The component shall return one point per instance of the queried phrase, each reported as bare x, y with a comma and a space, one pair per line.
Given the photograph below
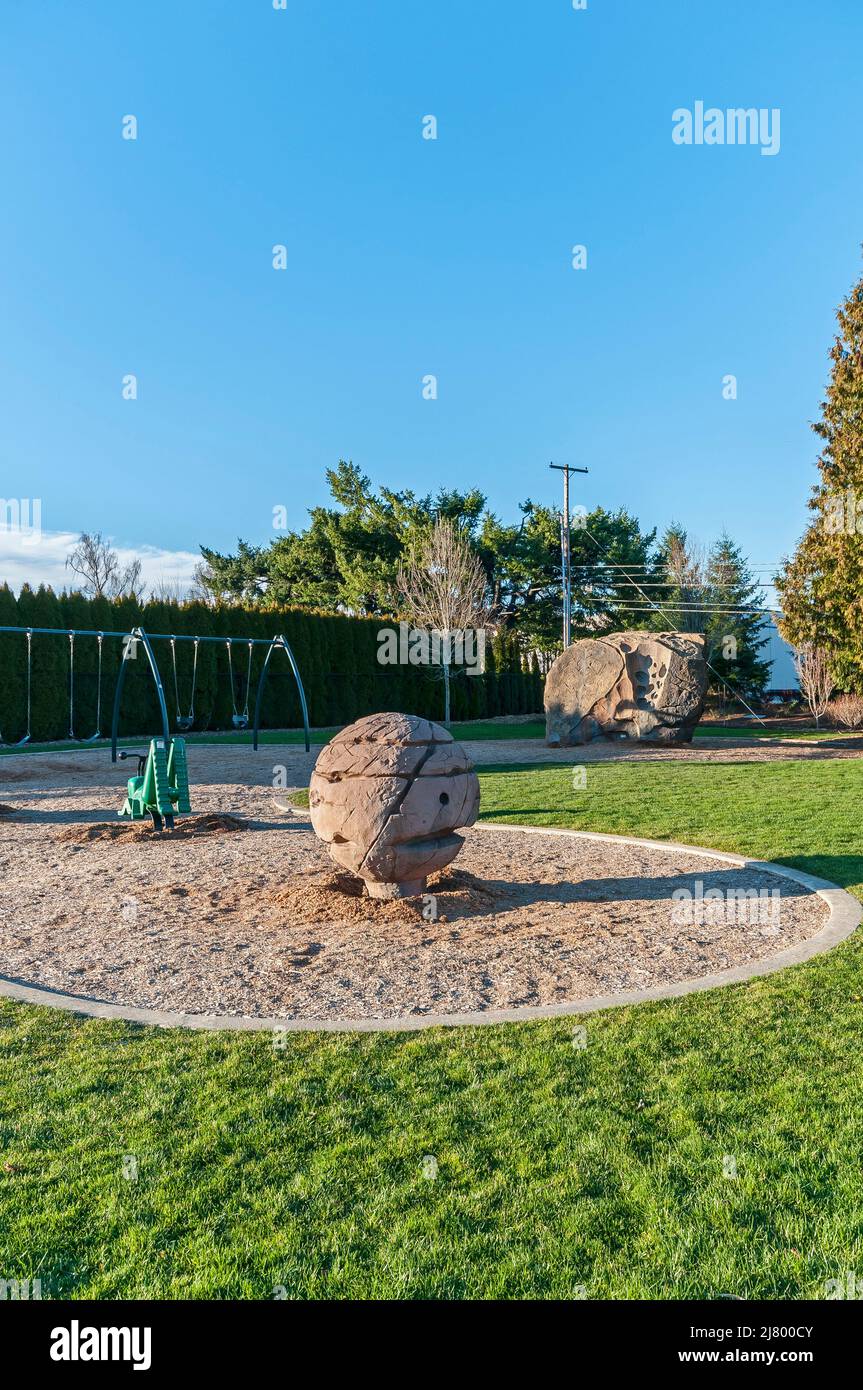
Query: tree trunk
446, 694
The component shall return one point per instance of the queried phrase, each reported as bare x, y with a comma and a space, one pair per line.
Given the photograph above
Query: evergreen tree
821, 586
13, 666
536, 683
713, 594
734, 637
77, 614
137, 683
50, 670
491, 678
348, 557
614, 570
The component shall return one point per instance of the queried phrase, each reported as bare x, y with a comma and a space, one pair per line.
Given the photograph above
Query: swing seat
96, 737
184, 722
240, 721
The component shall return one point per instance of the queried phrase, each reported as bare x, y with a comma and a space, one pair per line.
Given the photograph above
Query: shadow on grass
844, 869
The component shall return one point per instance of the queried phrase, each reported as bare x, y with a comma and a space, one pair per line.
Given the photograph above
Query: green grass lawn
480, 730
558, 1168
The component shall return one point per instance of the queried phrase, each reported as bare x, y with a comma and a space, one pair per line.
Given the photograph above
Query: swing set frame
137, 635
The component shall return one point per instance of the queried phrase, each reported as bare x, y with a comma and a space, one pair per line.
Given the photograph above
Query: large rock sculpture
638, 685
387, 795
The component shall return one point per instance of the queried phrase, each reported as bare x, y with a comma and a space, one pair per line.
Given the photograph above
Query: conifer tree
735, 633
821, 586
77, 615
13, 683
50, 673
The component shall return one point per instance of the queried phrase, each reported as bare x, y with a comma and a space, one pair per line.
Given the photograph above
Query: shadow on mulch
331, 896
188, 827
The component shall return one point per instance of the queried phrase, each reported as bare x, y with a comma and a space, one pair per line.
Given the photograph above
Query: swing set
240, 717
28, 633
185, 715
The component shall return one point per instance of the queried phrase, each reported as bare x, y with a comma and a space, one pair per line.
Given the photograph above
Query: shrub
336, 654
847, 711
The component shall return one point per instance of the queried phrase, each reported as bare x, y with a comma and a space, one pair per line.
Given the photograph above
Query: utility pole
565, 551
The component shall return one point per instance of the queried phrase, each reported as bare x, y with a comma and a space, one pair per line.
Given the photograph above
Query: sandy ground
243, 912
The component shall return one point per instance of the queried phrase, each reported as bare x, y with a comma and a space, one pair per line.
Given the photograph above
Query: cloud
39, 557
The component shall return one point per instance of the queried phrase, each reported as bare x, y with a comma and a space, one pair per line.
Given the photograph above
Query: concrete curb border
845, 915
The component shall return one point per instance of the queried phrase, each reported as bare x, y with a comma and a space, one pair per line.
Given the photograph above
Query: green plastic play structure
161, 787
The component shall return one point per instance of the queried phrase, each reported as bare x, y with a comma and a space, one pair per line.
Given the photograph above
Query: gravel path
256, 920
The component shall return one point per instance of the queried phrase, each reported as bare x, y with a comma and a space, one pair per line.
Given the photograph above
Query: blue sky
409, 257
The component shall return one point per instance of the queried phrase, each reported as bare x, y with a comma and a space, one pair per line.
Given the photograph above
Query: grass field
534, 728
558, 1171
478, 730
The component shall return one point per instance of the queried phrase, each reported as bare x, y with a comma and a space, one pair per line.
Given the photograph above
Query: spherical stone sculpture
646, 686
387, 795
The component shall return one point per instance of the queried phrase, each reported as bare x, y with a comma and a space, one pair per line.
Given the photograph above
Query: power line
650, 571
659, 562
657, 584
707, 663
622, 606
658, 568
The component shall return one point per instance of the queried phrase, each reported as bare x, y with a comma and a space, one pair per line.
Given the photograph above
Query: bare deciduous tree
99, 566
173, 590
443, 589
687, 570
201, 587
816, 682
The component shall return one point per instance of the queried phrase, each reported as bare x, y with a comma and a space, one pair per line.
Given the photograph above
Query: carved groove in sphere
387, 795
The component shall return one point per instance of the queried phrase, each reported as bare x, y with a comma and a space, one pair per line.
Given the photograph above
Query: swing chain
71, 685
26, 738
191, 714
184, 721
100, 637
248, 684
94, 738
240, 718
173, 646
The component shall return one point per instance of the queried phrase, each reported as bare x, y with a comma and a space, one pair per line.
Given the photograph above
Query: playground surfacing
243, 913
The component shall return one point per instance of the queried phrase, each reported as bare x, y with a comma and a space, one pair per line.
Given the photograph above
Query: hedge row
336, 655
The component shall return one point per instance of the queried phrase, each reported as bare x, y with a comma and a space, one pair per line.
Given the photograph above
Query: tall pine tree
821, 586
734, 633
